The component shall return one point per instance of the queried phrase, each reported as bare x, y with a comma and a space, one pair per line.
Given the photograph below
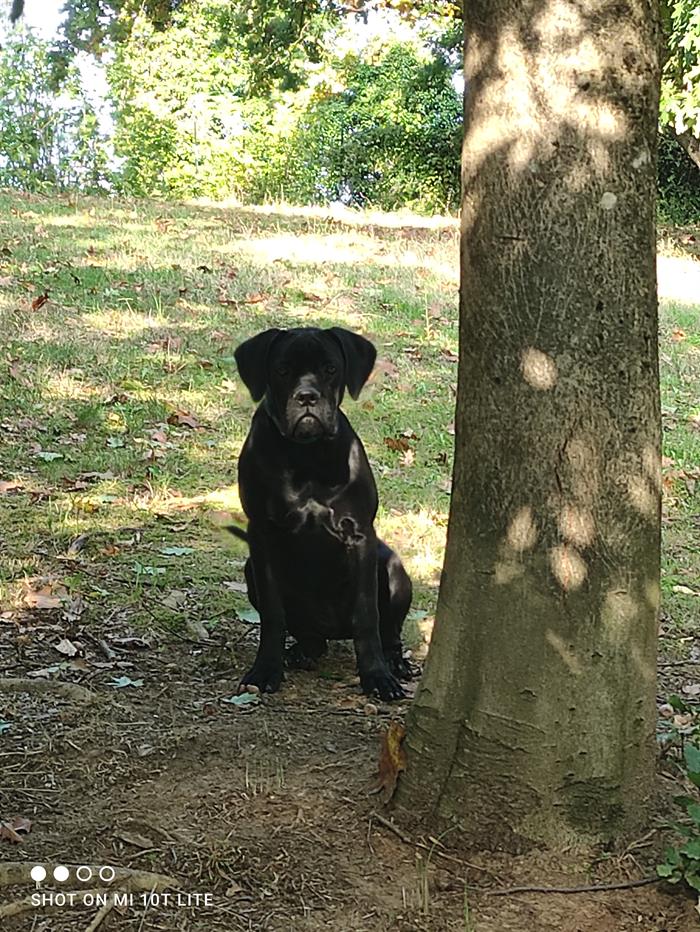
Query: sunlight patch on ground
679, 279
340, 213
419, 537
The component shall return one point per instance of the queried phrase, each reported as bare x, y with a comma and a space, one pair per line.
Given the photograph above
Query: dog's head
302, 375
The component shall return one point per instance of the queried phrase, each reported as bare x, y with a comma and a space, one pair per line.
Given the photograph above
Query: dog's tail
237, 532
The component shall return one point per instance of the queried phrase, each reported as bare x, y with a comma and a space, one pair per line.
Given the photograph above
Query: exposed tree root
67, 690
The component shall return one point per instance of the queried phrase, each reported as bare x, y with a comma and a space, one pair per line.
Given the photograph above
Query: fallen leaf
77, 544
9, 486
384, 367
196, 630
46, 598
685, 590
397, 443
183, 419
176, 551
236, 586
130, 643
677, 335
175, 599
14, 829
47, 456
40, 301
256, 297
138, 841
66, 647
392, 760
243, 699
249, 616
120, 682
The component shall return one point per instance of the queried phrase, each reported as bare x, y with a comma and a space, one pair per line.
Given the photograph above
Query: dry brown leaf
256, 297
182, 418
397, 443
678, 335
40, 301
46, 598
384, 367
392, 760
13, 829
11, 486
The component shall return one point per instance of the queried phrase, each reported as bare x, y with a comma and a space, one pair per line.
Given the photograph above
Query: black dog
316, 568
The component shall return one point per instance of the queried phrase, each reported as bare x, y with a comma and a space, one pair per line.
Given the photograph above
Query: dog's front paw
400, 666
265, 677
383, 683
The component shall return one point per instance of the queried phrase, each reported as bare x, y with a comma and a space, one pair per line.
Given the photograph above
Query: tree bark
535, 718
690, 145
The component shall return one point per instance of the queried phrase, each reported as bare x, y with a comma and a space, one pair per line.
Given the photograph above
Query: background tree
535, 716
680, 85
49, 138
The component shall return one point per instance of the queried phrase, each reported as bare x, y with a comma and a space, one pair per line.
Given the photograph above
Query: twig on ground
584, 888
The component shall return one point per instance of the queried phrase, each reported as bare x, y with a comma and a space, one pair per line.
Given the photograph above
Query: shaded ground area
121, 419
267, 808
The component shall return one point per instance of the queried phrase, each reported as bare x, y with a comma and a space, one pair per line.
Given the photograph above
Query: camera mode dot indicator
38, 873
84, 873
107, 874
61, 873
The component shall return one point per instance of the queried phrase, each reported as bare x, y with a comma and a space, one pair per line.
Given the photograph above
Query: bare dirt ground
266, 808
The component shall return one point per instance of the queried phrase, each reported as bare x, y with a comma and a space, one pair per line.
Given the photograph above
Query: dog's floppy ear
251, 359
359, 354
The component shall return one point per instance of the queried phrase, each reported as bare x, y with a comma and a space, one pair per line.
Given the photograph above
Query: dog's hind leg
250, 583
394, 595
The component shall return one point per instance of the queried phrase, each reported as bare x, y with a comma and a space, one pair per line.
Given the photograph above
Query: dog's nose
307, 396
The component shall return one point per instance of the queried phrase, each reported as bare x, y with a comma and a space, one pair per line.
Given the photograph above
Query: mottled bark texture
535, 718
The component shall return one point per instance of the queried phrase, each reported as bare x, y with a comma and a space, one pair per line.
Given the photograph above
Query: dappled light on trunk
535, 717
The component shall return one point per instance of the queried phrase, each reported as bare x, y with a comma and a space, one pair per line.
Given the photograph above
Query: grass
122, 415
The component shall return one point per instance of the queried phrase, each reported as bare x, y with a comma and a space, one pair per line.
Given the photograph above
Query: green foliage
680, 86
175, 94
682, 731
382, 129
383, 132
679, 184
49, 137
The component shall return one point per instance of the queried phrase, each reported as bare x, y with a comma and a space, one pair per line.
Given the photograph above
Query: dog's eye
282, 370
331, 369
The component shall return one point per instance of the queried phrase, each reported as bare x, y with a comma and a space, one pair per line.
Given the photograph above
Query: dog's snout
307, 396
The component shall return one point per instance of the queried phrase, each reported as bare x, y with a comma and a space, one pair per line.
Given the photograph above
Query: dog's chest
311, 509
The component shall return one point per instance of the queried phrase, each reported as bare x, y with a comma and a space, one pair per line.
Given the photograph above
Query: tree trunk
535, 718
690, 145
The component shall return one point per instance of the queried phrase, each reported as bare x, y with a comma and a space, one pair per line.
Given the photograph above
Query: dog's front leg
375, 676
267, 672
